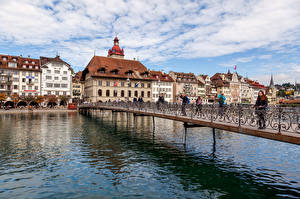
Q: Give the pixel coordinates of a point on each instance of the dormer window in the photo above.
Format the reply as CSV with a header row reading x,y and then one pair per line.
x,y
26,62
12,64
30,67
33,62
14,59
36,67
101,70
4,58
24,66
129,73
115,71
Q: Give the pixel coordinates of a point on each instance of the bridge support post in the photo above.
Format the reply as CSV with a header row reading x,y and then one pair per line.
x,y
214,142
185,132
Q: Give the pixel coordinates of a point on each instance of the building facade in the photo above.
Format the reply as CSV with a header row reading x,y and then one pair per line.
x,y
114,78
185,83
20,75
77,87
56,77
162,85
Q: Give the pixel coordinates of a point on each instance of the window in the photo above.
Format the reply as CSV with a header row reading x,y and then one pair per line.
x,y
49,71
24,66
23,80
30,67
64,78
99,83
122,84
4,58
64,93
48,77
56,85
129,84
135,93
16,79
30,74
101,70
57,72
148,94
36,67
23,87
55,78
64,85
122,93
115,71
56,92
16,72
149,85
30,81
100,92
49,85
65,72
29,87
107,83
107,93
33,62
129,93
49,92
142,85
115,93
12,64
36,74
8,87
15,86
142,93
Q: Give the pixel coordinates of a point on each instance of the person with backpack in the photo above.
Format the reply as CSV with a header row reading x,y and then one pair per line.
x,y
221,99
185,101
198,105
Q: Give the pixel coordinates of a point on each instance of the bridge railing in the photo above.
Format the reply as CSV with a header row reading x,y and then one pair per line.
x,y
276,118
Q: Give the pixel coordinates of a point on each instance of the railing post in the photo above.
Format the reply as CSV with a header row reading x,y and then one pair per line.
x,y
240,114
211,113
279,119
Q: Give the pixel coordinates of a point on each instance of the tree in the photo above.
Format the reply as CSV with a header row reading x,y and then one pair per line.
x,y
15,98
28,99
52,99
39,99
64,98
3,98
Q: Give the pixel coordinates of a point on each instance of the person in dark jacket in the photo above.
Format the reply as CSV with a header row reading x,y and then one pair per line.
x,y
260,109
198,105
160,101
185,101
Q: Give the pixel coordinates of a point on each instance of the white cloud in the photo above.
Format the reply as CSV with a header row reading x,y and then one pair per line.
x,y
153,30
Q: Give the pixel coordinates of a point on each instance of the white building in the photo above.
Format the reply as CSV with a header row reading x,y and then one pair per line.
x,y
56,77
20,75
162,85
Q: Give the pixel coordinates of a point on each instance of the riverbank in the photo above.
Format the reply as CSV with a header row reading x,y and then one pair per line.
x,y
15,111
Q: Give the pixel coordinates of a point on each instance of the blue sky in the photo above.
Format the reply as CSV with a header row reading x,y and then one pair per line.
x,y
259,36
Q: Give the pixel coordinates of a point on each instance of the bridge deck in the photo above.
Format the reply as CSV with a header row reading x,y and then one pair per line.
x,y
289,137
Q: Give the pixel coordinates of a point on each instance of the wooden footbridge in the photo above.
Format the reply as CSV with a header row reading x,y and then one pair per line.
x,y
281,124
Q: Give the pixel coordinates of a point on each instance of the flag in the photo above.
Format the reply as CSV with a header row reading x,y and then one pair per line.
x,y
235,67
136,84
116,83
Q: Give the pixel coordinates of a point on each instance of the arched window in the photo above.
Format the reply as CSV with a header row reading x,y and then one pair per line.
x,y
107,93
135,93
100,92
122,93
115,93
148,94
129,93
142,93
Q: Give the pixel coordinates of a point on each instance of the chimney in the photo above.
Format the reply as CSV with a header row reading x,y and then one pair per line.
x,y
134,58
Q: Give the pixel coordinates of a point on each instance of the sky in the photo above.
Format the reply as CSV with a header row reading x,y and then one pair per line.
x,y
260,37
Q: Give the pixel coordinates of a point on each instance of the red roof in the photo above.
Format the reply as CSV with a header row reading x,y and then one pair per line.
x,y
158,75
27,62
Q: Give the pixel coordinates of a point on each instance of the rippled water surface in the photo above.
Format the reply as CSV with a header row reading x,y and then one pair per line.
x,y
67,155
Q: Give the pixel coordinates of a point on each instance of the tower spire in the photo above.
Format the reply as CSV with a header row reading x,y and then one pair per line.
x,y
272,81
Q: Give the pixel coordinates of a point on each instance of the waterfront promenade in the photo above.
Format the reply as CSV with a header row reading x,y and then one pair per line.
x,y
282,124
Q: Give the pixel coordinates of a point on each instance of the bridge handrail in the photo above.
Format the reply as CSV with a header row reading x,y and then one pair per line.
x,y
279,119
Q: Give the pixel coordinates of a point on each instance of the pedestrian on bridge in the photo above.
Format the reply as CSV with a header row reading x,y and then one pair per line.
x,y
160,101
260,109
185,101
221,99
198,105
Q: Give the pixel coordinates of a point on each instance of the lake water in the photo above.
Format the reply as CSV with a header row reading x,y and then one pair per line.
x,y
67,155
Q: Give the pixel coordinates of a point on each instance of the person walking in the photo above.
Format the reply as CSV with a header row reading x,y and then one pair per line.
x,y
140,102
260,109
198,105
221,99
185,101
160,101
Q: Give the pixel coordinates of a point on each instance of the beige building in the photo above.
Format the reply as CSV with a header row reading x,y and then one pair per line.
x,y
185,83
114,78
162,84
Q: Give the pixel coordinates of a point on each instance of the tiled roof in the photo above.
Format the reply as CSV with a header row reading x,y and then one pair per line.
x,y
77,77
22,62
158,75
100,66
185,77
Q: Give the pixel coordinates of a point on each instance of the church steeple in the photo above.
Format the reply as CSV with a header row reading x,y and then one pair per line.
x,y
116,51
272,82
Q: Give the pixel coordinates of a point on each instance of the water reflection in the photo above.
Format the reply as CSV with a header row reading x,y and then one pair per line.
x,y
118,155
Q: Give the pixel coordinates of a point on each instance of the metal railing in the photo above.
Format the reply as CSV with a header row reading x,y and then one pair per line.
x,y
274,118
